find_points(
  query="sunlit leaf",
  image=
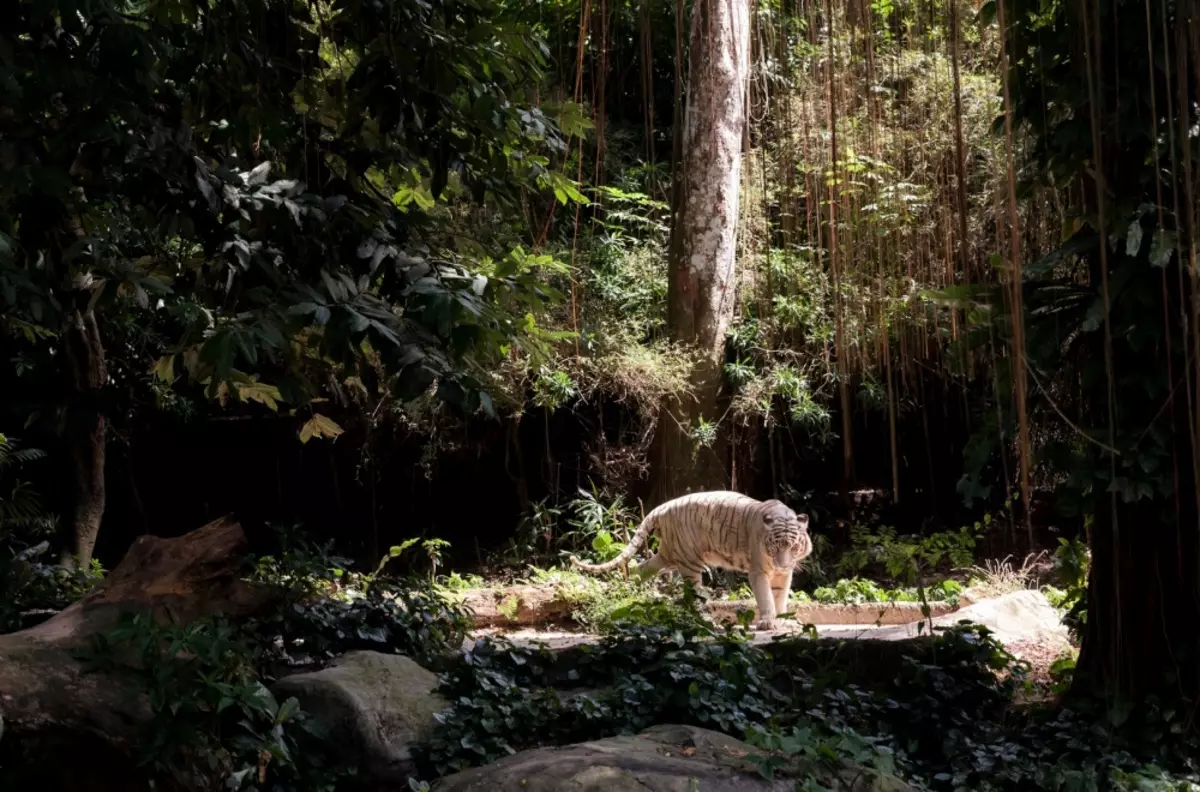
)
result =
(164, 368)
(261, 392)
(319, 426)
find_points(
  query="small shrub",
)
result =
(535, 537)
(804, 751)
(409, 618)
(597, 603)
(34, 588)
(456, 582)
(329, 610)
(678, 669)
(1062, 670)
(856, 590)
(996, 578)
(1072, 561)
(907, 558)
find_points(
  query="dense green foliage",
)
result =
(945, 722)
(213, 721)
(257, 217)
(329, 610)
(384, 216)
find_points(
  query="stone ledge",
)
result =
(526, 606)
(831, 613)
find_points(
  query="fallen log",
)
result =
(44, 686)
(827, 613)
(519, 606)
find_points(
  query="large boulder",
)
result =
(374, 706)
(660, 759)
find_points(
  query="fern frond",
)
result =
(25, 455)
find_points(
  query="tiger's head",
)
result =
(787, 539)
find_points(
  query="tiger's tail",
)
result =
(644, 530)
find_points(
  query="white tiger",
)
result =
(727, 530)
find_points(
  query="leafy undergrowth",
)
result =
(944, 720)
(598, 601)
(330, 610)
(214, 722)
(856, 591)
(942, 717)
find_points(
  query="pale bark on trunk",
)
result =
(89, 373)
(701, 295)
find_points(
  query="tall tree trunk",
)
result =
(701, 295)
(1143, 620)
(1143, 614)
(89, 373)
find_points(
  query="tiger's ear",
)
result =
(803, 520)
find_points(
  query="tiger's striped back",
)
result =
(708, 529)
(718, 529)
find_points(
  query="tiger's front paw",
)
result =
(766, 626)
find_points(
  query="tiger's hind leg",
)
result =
(764, 598)
(655, 565)
(694, 575)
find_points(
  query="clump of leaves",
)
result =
(1062, 670)
(744, 593)
(598, 603)
(850, 591)
(641, 374)
(458, 582)
(409, 618)
(213, 721)
(811, 753)
(678, 670)
(905, 558)
(604, 526)
(1072, 560)
(946, 721)
(329, 610)
(534, 538)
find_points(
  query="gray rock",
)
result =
(660, 759)
(373, 705)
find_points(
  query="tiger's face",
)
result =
(787, 538)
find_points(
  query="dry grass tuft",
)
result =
(644, 374)
(998, 577)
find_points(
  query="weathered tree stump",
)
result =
(45, 687)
